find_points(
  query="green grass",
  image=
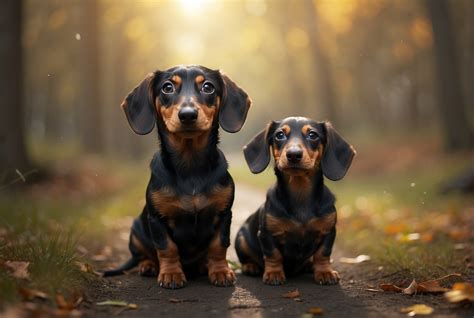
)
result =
(46, 229)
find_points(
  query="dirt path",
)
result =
(250, 297)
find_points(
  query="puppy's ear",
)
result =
(139, 106)
(234, 106)
(257, 151)
(337, 156)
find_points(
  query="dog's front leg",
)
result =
(219, 272)
(323, 273)
(274, 273)
(171, 273)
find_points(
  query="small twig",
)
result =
(21, 177)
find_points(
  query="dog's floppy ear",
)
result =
(139, 106)
(234, 106)
(337, 156)
(257, 151)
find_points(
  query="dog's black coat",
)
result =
(295, 225)
(190, 193)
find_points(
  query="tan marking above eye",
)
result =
(199, 79)
(306, 129)
(177, 79)
(286, 129)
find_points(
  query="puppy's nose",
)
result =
(294, 154)
(188, 115)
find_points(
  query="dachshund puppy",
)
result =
(185, 224)
(294, 230)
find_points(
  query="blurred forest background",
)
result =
(396, 78)
(373, 68)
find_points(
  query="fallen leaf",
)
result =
(460, 292)
(395, 228)
(174, 300)
(430, 286)
(68, 305)
(418, 309)
(374, 290)
(117, 303)
(390, 288)
(19, 269)
(411, 289)
(298, 300)
(87, 268)
(29, 294)
(292, 294)
(356, 260)
(315, 311)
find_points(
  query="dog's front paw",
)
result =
(326, 276)
(172, 279)
(222, 276)
(276, 277)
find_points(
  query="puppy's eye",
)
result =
(168, 88)
(280, 135)
(312, 135)
(208, 88)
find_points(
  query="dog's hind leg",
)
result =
(246, 256)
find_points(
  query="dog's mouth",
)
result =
(294, 168)
(189, 131)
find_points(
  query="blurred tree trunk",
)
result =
(321, 66)
(12, 139)
(282, 15)
(91, 108)
(457, 130)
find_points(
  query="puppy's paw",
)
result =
(326, 276)
(251, 269)
(147, 268)
(222, 276)
(275, 278)
(172, 279)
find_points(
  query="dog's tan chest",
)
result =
(168, 202)
(282, 227)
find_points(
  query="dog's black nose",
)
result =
(188, 115)
(294, 154)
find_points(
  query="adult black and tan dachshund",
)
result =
(295, 229)
(184, 227)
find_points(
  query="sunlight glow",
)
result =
(192, 7)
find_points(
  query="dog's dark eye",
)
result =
(280, 135)
(208, 88)
(168, 88)
(312, 135)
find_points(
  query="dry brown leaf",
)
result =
(292, 294)
(390, 288)
(418, 309)
(460, 292)
(355, 260)
(19, 269)
(411, 289)
(315, 311)
(87, 268)
(430, 286)
(29, 294)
